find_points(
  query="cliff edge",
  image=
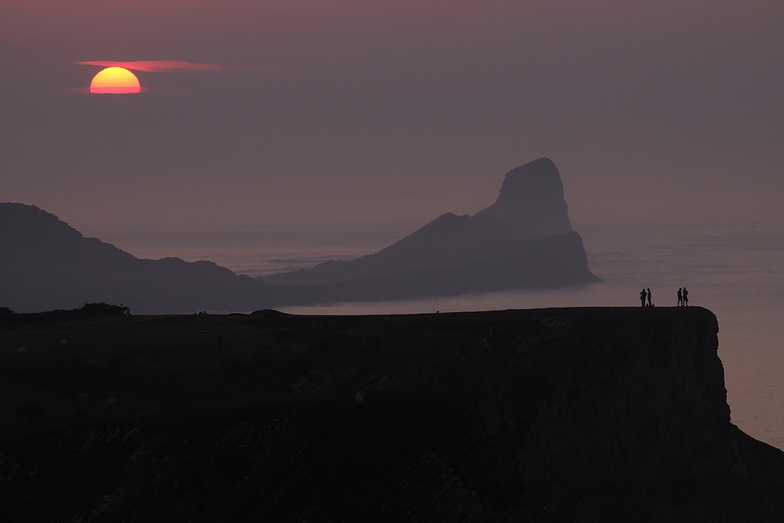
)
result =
(584, 415)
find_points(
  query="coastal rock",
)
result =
(531, 200)
(505, 238)
(523, 240)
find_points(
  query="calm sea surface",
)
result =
(736, 271)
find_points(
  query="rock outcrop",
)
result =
(531, 201)
(568, 415)
(525, 239)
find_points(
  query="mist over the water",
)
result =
(734, 269)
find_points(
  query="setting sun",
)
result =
(115, 80)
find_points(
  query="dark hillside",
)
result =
(539, 415)
(46, 264)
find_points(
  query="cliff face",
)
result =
(543, 415)
(531, 201)
(644, 399)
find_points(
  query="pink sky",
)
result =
(168, 66)
(391, 110)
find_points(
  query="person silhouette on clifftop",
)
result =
(685, 297)
(643, 295)
(680, 297)
(649, 298)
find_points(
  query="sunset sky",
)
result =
(367, 111)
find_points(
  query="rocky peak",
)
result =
(532, 200)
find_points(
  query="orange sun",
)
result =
(115, 80)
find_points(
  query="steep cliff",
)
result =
(531, 201)
(542, 415)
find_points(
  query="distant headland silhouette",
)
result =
(524, 239)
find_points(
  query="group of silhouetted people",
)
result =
(683, 297)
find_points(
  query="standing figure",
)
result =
(649, 298)
(643, 295)
(680, 298)
(685, 297)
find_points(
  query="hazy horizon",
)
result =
(391, 112)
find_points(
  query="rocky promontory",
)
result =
(524, 239)
(584, 415)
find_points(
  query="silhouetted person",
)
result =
(685, 297)
(643, 295)
(680, 298)
(649, 298)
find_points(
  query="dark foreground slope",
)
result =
(539, 415)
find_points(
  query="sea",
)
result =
(734, 269)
